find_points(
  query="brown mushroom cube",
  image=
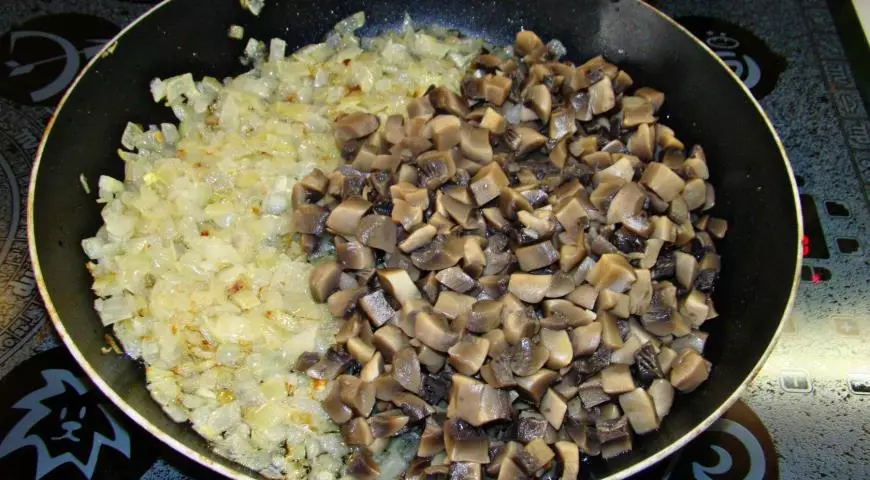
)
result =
(616, 379)
(640, 410)
(528, 287)
(538, 255)
(488, 183)
(345, 218)
(585, 339)
(464, 442)
(355, 125)
(467, 355)
(323, 280)
(689, 370)
(474, 144)
(612, 271)
(553, 407)
(663, 181)
(478, 403)
(445, 131)
(398, 284)
(357, 432)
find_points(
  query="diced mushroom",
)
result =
(361, 466)
(360, 350)
(407, 215)
(517, 325)
(569, 458)
(478, 403)
(433, 331)
(345, 218)
(443, 100)
(662, 393)
(585, 339)
(445, 131)
(485, 316)
(343, 302)
(524, 140)
(498, 374)
(527, 358)
(496, 89)
(640, 410)
(377, 308)
(387, 424)
(398, 284)
(616, 379)
(453, 305)
(612, 271)
(528, 287)
(627, 202)
(717, 227)
(436, 167)
(355, 125)
(333, 406)
(553, 407)
(663, 181)
(373, 368)
(540, 101)
(464, 471)
(417, 238)
(356, 394)
(357, 432)
(323, 280)
(389, 340)
(601, 96)
(455, 279)
(539, 255)
(431, 440)
(689, 370)
(558, 344)
(309, 219)
(437, 255)
(610, 429)
(465, 443)
(406, 369)
(413, 406)
(468, 354)
(540, 454)
(474, 144)
(493, 121)
(535, 386)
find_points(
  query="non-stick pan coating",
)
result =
(704, 104)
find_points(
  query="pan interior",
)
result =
(704, 105)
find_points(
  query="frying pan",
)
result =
(705, 104)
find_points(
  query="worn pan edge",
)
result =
(238, 473)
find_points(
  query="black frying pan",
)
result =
(705, 104)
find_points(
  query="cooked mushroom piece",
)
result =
(640, 410)
(539, 99)
(533, 387)
(568, 456)
(417, 238)
(478, 403)
(517, 325)
(357, 432)
(443, 100)
(662, 393)
(413, 406)
(474, 144)
(455, 279)
(445, 131)
(355, 125)
(689, 370)
(627, 202)
(453, 305)
(309, 219)
(496, 89)
(498, 374)
(398, 284)
(601, 96)
(360, 350)
(527, 358)
(333, 406)
(343, 302)
(539, 255)
(377, 308)
(610, 429)
(585, 339)
(464, 471)
(345, 218)
(389, 340)
(485, 316)
(436, 167)
(493, 121)
(540, 454)
(406, 369)
(361, 466)
(528, 287)
(431, 440)
(616, 379)
(553, 407)
(663, 181)
(467, 355)
(612, 271)
(524, 140)
(464, 442)
(433, 331)
(387, 424)
(558, 344)
(437, 255)
(356, 394)
(324, 280)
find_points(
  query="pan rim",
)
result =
(238, 473)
